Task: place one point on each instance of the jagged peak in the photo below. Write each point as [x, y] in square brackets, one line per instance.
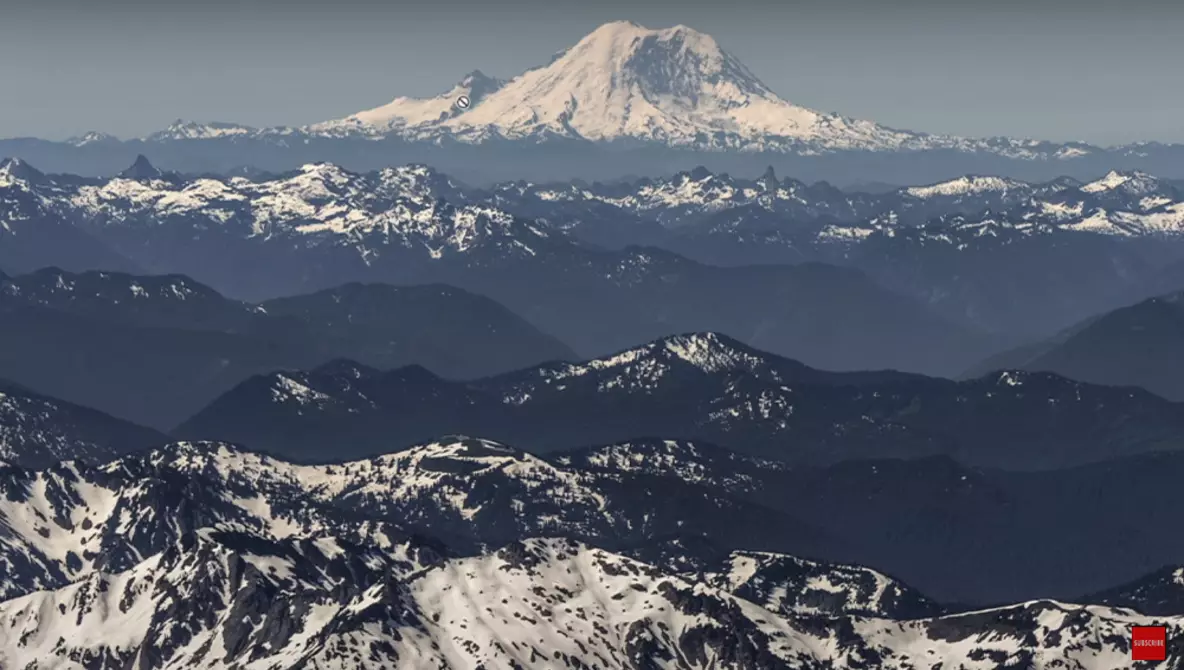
[768, 180]
[1134, 181]
[141, 168]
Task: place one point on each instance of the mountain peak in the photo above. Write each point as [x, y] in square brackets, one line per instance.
[91, 137]
[707, 351]
[192, 130]
[142, 168]
[1129, 182]
[626, 31]
[14, 169]
[710, 352]
[623, 81]
[769, 179]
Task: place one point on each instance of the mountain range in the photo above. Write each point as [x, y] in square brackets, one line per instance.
[701, 386]
[206, 556]
[1019, 260]
[1000, 254]
[155, 349]
[322, 226]
[623, 95]
[929, 479]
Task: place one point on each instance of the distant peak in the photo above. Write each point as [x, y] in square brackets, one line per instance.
[92, 137]
[1128, 181]
[142, 168]
[188, 130]
[769, 178]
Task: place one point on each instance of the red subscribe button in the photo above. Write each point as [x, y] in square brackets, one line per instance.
[1149, 643]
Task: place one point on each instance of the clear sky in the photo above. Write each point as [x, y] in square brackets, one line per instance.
[1053, 69]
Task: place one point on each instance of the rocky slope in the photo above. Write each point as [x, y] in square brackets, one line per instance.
[204, 556]
[37, 431]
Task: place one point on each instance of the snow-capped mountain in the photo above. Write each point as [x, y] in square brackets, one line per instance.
[205, 556]
[1004, 255]
[791, 586]
[673, 87]
[991, 253]
[626, 82]
[322, 226]
[707, 387]
[625, 99]
[318, 204]
[700, 202]
[92, 138]
[192, 130]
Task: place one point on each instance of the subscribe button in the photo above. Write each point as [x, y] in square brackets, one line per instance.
[1149, 643]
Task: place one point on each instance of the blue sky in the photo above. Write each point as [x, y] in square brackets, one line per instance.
[1052, 70]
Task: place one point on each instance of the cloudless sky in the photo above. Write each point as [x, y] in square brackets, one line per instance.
[1061, 70]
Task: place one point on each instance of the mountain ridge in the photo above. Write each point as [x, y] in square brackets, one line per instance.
[323, 226]
[1133, 345]
[707, 387]
[154, 349]
[281, 562]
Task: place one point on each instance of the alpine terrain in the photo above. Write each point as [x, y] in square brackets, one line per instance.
[626, 361]
[205, 556]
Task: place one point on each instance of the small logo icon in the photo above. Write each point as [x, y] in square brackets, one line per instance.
[463, 102]
[1149, 643]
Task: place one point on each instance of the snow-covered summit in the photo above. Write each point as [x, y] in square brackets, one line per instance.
[624, 81]
[647, 364]
[92, 137]
[192, 130]
[968, 185]
[1129, 182]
